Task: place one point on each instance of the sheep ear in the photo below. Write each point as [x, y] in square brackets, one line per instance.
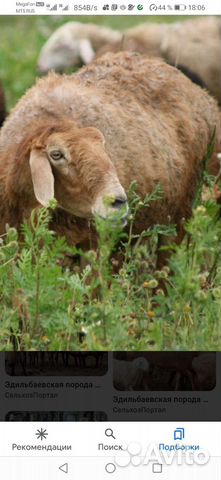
[42, 177]
[86, 51]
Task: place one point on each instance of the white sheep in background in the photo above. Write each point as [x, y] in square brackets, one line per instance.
[74, 44]
[194, 45]
[130, 375]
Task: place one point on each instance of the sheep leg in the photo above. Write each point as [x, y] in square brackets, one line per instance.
[177, 381]
[190, 376]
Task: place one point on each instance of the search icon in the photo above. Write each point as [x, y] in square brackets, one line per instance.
[109, 433]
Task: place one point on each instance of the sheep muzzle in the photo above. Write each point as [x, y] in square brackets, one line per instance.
[112, 203]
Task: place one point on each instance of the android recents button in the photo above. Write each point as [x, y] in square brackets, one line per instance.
[157, 468]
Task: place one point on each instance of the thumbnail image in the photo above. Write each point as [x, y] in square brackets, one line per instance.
[55, 417]
[164, 371]
[56, 363]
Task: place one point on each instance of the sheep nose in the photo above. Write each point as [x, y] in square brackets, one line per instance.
[119, 202]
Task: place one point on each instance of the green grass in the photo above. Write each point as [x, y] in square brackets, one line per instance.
[47, 306]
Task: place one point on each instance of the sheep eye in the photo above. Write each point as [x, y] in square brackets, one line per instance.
[56, 155]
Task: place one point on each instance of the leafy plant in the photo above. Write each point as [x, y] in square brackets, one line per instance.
[117, 300]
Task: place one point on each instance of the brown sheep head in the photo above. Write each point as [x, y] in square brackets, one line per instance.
[70, 164]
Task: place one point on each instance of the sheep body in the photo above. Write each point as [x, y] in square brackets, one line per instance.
[197, 368]
[194, 44]
[197, 45]
[130, 375]
[156, 124]
[177, 366]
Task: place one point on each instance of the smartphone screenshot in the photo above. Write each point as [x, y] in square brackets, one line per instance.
[110, 234]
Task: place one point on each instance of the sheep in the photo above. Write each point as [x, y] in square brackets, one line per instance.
[145, 38]
[176, 365]
[124, 118]
[197, 45]
[54, 158]
[194, 46]
[73, 44]
[130, 375]
[140, 47]
[84, 360]
[2, 106]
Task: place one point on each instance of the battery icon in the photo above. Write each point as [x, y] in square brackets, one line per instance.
[180, 7]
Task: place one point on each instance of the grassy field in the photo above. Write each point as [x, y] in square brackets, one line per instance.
[47, 306]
